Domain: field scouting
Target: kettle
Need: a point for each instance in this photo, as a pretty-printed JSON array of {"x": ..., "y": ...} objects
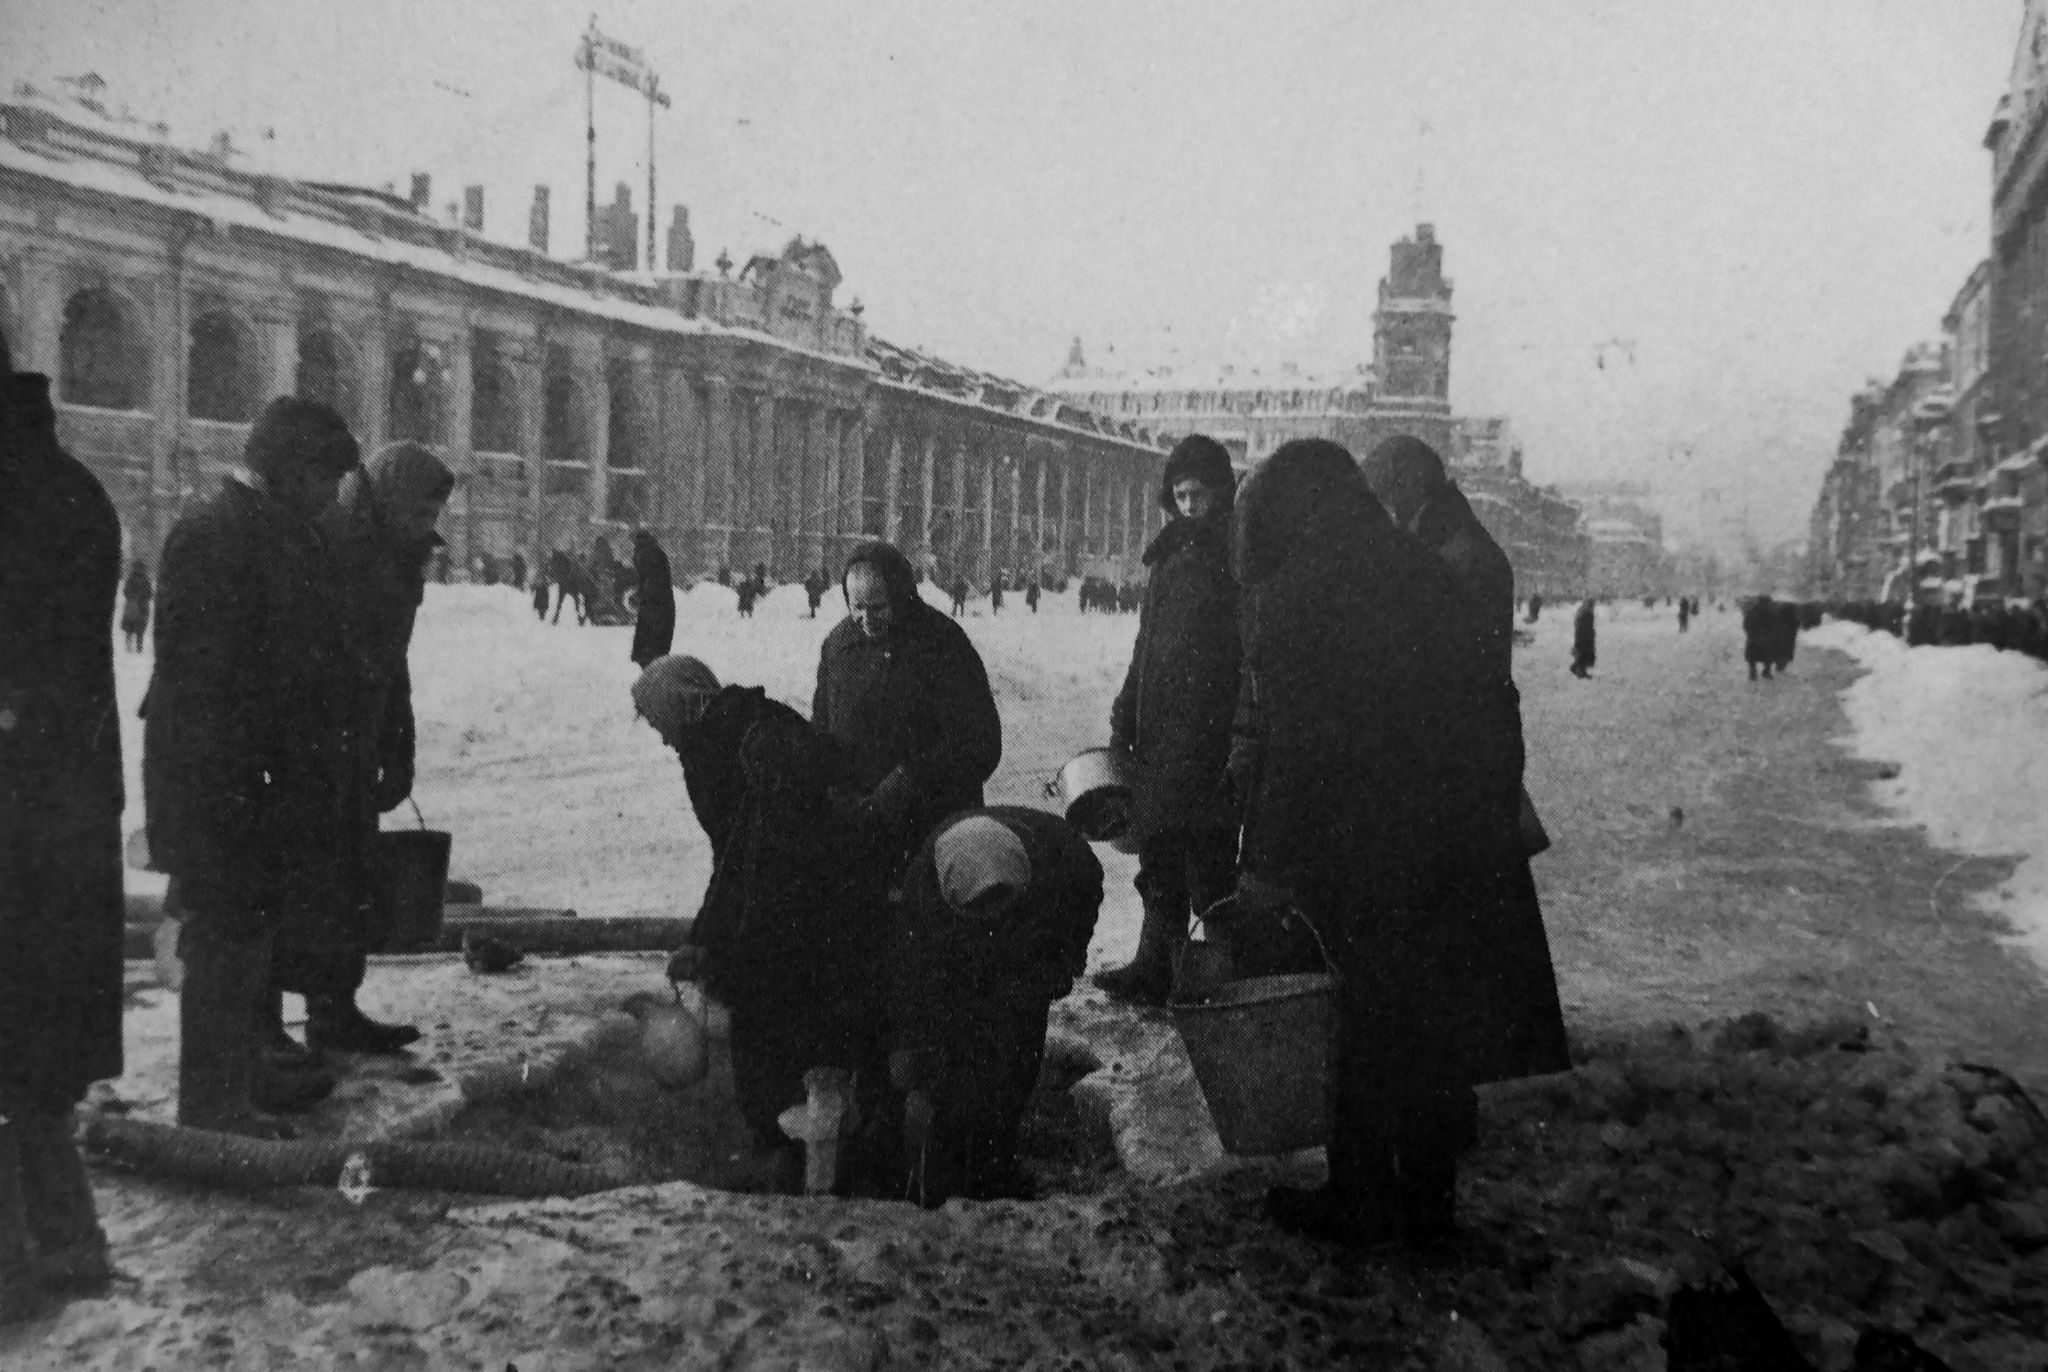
[{"x": 671, "y": 1039}]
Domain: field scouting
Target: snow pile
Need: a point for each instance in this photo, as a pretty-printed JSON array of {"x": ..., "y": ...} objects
[{"x": 1968, "y": 728}]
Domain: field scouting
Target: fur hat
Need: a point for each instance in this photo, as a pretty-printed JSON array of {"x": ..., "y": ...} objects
[
  {"x": 294, "y": 431},
  {"x": 658, "y": 694},
  {"x": 977, "y": 854},
  {"x": 1207, "y": 461}
]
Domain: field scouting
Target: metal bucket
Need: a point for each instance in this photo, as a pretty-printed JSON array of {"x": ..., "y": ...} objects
[
  {"x": 415, "y": 865},
  {"x": 1261, "y": 1053},
  {"x": 1094, "y": 790}
]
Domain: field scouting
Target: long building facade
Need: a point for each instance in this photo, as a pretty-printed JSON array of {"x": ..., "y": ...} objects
[
  {"x": 1405, "y": 390},
  {"x": 744, "y": 417}
]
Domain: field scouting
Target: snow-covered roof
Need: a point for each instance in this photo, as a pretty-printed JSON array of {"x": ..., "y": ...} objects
[{"x": 1225, "y": 378}]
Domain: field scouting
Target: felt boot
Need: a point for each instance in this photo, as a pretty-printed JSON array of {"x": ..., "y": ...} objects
[
  {"x": 334, "y": 1024},
  {"x": 218, "y": 1005},
  {"x": 1148, "y": 977},
  {"x": 61, "y": 1216},
  {"x": 20, "y": 1297}
]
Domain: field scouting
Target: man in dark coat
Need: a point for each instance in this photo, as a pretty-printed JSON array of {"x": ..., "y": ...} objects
[
  {"x": 1173, "y": 716},
  {"x": 1584, "y": 640},
  {"x": 958, "y": 592},
  {"x": 1379, "y": 805},
  {"x": 997, "y": 911},
  {"x": 1518, "y": 1026},
  {"x": 1759, "y": 632},
  {"x": 1031, "y": 595},
  {"x": 654, "y": 627},
  {"x": 379, "y": 535},
  {"x": 60, "y": 845},
  {"x": 136, "y": 593},
  {"x": 902, "y": 689},
  {"x": 248, "y": 766}
]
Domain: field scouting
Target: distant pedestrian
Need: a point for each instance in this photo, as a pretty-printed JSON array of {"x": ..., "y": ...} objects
[
  {"x": 995, "y": 594},
  {"x": 1582, "y": 640},
  {"x": 1759, "y": 636},
  {"x": 959, "y": 593},
  {"x": 1031, "y": 595},
  {"x": 654, "y": 625},
  {"x": 748, "y": 593},
  {"x": 518, "y": 571},
  {"x": 135, "y": 596},
  {"x": 814, "y": 589},
  {"x": 540, "y": 598},
  {"x": 1684, "y": 614},
  {"x": 1535, "y": 606}
]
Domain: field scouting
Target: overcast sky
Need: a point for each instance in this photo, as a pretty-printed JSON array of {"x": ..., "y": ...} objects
[{"x": 1743, "y": 208}]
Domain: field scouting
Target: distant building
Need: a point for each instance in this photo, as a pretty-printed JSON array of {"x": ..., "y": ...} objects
[
  {"x": 1405, "y": 390},
  {"x": 1625, "y": 555},
  {"x": 751, "y": 418}
]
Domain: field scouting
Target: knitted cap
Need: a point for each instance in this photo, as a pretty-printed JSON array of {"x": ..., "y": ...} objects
[
  {"x": 658, "y": 694},
  {"x": 976, "y": 854}
]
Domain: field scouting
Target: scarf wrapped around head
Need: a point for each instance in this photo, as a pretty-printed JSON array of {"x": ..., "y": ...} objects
[
  {"x": 976, "y": 855},
  {"x": 1304, "y": 502},
  {"x": 664, "y": 683}
]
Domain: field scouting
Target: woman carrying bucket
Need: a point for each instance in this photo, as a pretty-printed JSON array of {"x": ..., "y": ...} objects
[{"x": 1376, "y": 758}]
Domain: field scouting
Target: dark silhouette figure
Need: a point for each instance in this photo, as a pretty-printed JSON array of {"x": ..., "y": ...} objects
[
  {"x": 1583, "y": 634},
  {"x": 136, "y": 592}
]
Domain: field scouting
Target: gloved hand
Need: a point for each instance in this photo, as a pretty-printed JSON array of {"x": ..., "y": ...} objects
[{"x": 686, "y": 963}]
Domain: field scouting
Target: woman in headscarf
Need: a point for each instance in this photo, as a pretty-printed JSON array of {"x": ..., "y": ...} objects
[
  {"x": 1372, "y": 799},
  {"x": 1173, "y": 716}
]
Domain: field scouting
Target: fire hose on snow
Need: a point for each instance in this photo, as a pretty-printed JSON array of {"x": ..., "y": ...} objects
[{"x": 232, "y": 1162}]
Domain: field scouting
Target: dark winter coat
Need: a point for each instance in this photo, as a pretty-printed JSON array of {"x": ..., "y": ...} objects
[
  {"x": 248, "y": 766},
  {"x": 1516, "y": 1028},
  {"x": 968, "y": 997},
  {"x": 136, "y": 593},
  {"x": 655, "y": 628},
  {"x": 376, "y": 580},
  {"x": 1583, "y": 636},
  {"x": 1379, "y": 793},
  {"x": 913, "y": 711},
  {"x": 710, "y": 754},
  {"x": 1759, "y": 630},
  {"x": 60, "y": 766},
  {"x": 1174, "y": 710}
]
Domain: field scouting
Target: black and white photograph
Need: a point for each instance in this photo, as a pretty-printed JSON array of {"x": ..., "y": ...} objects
[{"x": 1070, "y": 685}]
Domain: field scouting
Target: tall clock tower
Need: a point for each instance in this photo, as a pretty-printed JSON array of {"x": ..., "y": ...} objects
[{"x": 1411, "y": 345}]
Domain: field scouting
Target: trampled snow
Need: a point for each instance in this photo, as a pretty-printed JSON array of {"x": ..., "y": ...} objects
[{"x": 1968, "y": 727}]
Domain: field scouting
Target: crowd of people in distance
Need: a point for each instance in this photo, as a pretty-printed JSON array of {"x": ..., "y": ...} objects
[
  {"x": 1104, "y": 596},
  {"x": 2003, "y": 624}
]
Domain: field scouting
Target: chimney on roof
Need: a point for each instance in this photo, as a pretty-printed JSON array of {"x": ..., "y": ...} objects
[
  {"x": 618, "y": 232},
  {"x": 473, "y": 208},
  {"x": 682, "y": 246},
  {"x": 422, "y": 192},
  {"x": 537, "y": 220}
]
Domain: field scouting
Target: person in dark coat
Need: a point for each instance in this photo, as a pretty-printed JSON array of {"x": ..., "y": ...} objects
[
  {"x": 902, "y": 689},
  {"x": 1031, "y": 595},
  {"x": 958, "y": 592},
  {"x": 1378, "y": 808},
  {"x": 1535, "y": 605},
  {"x": 995, "y": 593},
  {"x": 60, "y": 846},
  {"x": 1517, "y": 1028},
  {"x": 540, "y": 597},
  {"x": 997, "y": 910},
  {"x": 518, "y": 571},
  {"x": 815, "y": 583},
  {"x": 654, "y": 627},
  {"x": 379, "y": 535},
  {"x": 1173, "y": 716},
  {"x": 1759, "y": 635},
  {"x": 135, "y": 597},
  {"x": 1583, "y": 640},
  {"x": 247, "y": 761},
  {"x": 748, "y": 592},
  {"x": 1684, "y": 614},
  {"x": 1785, "y": 635}
]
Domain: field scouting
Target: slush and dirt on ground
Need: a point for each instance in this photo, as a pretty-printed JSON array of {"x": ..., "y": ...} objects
[{"x": 1771, "y": 983}]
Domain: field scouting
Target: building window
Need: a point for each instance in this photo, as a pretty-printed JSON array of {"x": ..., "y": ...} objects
[
  {"x": 493, "y": 407},
  {"x": 324, "y": 374},
  {"x": 419, "y": 384},
  {"x": 103, "y": 361},
  {"x": 622, "y": 429},
  {"x": 220, "y": 380},
  {"x": 568, "y": 466}
]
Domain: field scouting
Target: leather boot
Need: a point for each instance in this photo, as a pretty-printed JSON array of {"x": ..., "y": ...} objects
[
  {"x": 334, "y": 1024},
  {"x": 20, "y": 1297},
  {"x": 1148, "y": 977},
  {"x": 218, "y": 1006},
  {"x": 61, "y": 1216}
]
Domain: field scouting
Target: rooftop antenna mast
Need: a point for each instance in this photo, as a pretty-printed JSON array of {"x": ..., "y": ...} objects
[{"x": 598, "y": 56}]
